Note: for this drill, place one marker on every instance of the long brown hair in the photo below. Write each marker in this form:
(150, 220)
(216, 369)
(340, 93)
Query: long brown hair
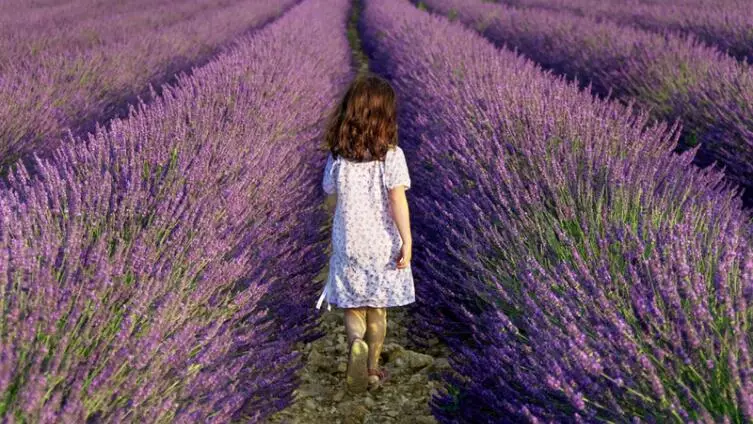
(363, 126)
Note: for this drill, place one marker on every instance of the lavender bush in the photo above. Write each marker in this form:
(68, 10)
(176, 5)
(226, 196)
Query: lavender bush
(26, 16)
(28, 30)
(140, 268)
(579, 270)
(726, 24)
(675, 78)
(46, 90)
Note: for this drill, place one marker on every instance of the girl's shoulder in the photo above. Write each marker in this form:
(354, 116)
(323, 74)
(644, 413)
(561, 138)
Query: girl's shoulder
(394, 153)
(394, 150)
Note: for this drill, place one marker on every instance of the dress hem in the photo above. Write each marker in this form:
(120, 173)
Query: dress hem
(372, 306)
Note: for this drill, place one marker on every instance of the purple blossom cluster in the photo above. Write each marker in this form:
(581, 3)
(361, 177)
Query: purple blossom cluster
(723, 23)
(27, 30)
(58, 72)
(140, 268)
(675, 78)
(578, 269)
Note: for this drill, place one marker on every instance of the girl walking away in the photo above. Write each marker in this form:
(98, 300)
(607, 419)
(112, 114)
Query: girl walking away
(369, 269)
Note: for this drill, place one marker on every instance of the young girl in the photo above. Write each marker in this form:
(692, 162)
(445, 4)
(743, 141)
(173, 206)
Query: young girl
(371, 239)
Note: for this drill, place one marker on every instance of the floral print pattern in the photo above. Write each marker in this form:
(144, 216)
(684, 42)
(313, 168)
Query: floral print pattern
(365, 239)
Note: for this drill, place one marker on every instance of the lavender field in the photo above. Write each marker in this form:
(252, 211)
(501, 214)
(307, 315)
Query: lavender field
(67, 75)
(581, 210)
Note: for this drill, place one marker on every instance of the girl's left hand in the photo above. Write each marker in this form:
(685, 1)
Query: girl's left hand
(405, 256)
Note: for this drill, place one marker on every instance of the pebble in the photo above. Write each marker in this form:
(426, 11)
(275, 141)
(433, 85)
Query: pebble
(415, 360)
(416, 378)
(441, 363)
(310, 390)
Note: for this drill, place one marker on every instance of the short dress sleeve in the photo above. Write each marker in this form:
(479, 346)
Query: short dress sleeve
(396, 169)
(328, 182)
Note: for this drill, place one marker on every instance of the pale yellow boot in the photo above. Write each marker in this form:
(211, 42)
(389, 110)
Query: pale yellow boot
(356, 374)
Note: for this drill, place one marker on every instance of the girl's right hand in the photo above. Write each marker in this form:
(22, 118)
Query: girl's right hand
(405, 256)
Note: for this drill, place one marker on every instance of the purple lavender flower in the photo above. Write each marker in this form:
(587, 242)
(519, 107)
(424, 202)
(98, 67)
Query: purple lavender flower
(552, 277)
(724, 23)
(83, 63)
(674, 77)
(161, 269)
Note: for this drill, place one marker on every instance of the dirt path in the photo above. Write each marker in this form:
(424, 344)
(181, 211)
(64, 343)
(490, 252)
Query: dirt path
(323, 397)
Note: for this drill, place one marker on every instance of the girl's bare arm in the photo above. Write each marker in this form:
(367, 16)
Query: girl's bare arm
(401, 215)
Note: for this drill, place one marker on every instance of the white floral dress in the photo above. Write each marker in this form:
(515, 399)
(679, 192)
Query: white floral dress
(365, 239)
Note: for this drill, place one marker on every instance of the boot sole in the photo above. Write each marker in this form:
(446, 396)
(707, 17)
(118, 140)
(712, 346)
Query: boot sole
(357, 377)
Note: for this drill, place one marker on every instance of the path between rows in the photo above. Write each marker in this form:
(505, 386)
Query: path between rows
(322, 396)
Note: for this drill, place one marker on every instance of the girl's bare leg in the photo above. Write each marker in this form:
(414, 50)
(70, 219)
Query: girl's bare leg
(355, 323)
(375, 333)
(356, 375)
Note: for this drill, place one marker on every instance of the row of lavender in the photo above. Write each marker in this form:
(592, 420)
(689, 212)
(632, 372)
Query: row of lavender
(48, 87)
(140, 269)
(579, 270)
(727, 24)
(676, 78)
(23, 19)
(26, 31)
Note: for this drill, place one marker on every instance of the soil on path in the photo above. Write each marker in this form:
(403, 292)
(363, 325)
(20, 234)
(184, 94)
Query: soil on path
(323, 397)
